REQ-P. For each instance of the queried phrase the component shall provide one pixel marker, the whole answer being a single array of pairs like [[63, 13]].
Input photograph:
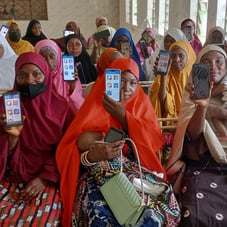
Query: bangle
[[84, 160]]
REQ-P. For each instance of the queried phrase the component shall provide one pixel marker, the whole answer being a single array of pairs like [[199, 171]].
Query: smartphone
[[163, 62], [188, 32], [67, 32], [4, 29], [144, 49], [68, 67], [101, 35], [114, 134], [12, 107], [147, 37], [125, 46], [201, 80], [113, 83]]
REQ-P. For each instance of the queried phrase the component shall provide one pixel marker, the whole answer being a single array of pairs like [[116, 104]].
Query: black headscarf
[[87, 73]]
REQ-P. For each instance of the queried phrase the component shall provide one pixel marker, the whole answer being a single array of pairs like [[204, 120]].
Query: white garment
[[7, 66]]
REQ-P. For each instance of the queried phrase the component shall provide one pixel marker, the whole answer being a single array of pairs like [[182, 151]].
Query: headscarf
[[89, 70], [30, 37], [75, 99], [176, 81], [47, 117], [135, 55], [177, 34], [149, 48], [98, 19], [143, 129], [209, 36], [7, 66], [188, 108], [21, 46], [195, 43]]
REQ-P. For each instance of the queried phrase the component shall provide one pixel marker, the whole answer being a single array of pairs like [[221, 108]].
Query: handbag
[[122, 198]]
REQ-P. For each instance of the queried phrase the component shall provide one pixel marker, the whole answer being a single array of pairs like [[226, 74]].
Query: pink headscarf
[[75, 99], [98, 19]]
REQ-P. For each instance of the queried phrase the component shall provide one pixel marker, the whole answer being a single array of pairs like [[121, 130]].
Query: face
[[168, 41], [74, 46], [217, 65], [179, 58], [72, 27], [101, 22], [128, 84], [188, 24], [217, 37], [1, 51], [36, 29], [51, 58], [30, 74]]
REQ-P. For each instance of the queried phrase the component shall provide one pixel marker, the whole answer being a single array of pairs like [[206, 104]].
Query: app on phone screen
[[68, 67]]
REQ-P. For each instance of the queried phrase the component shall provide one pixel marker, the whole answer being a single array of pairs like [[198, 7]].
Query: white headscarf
[[177, 34], [7, 66]]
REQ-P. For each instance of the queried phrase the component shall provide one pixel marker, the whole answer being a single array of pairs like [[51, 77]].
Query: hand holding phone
[[12, 107], [188, 32], [201, 80], [113, 83], [147, 37], [68, 67], [101, 35], [163, 62], [67, 32], [125, 48], [4, 29], [144, 49], [114, 135]]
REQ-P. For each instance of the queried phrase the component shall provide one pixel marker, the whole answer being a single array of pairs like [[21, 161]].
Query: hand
[[33, 189]]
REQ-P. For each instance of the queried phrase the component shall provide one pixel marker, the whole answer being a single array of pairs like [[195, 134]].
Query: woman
[[7, 65], [29, 177], [72, 90], [188, 27], [197, 142], [123, 35], [166, 91], [135, 115], [86, 69], [34, 32]]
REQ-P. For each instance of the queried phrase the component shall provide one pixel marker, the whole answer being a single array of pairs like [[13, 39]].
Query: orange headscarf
[[143, 129]]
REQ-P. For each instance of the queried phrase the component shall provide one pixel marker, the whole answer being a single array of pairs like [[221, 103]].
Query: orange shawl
[[143, 129]]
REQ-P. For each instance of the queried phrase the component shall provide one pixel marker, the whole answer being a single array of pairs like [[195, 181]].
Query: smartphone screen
[[188, 32], [67, 32], [201, 80], [12, 108], [147, 37], [68, 67], [101, 35], [125, 48], [113, 135], [144, 49], [113, 83], [4, 29], [163, 62]]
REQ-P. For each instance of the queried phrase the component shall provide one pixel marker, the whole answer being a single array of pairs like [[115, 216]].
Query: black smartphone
[[201, 80], [147, 37], [113, 83], [101, 35], [144, 49], [68, 67], [163, 62], [114, 134], [12, 107], [4, 29], [188, 32], [125, 46]]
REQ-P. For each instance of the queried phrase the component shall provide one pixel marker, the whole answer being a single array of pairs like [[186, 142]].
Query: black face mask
[[14, 36], [32, 90]]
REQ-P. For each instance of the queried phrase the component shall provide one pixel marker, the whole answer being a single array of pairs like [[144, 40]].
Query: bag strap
[[138, 159]]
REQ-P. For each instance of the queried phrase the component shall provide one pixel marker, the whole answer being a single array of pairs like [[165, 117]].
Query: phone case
[[113, 83], [144, 49], [12, 108], [4, 29], [201, 80], [114, 134], [125, 48], [68, 67], [147, 37], [163, 62], [102, 35]]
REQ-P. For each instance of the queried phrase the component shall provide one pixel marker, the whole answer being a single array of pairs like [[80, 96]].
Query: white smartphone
[[4, 29], [163, 62], [125, 48], [12, 108], [68, 67], [113, 83], [67, 32]]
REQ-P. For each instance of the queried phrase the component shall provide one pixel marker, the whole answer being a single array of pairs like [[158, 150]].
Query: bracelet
[[84, 160]]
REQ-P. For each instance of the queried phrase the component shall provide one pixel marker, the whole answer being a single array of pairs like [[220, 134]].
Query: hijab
[[30, 37], [135, 55], [209, 36], [98, 19], [143, 129], [88, 72], [76, 98], [7, 66]]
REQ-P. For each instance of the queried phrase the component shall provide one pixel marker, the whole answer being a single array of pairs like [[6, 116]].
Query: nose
[[29, 79]]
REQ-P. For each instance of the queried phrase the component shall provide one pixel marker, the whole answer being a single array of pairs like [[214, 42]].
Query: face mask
[[32, 90], [14, 36]]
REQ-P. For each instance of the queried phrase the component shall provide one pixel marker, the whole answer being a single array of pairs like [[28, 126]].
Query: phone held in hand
[[144, 49], [113, 83], [201, 80], [4, 29], [163, 62], [147, 37], [114, 134], [188, 32], [101, 35], [68, 67], [12, 107], [67, 32], [125, 47]]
